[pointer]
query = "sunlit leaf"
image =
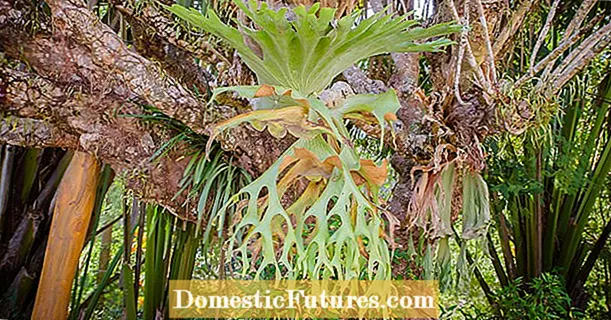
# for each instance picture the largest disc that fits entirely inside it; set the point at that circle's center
(306, 53)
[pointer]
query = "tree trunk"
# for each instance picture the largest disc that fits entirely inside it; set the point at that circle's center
(71, 217)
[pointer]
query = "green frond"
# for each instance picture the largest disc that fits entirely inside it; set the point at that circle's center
(307, 52)
(306, 251)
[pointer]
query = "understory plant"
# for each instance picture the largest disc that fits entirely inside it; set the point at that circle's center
(335, 227)
(548, 185)
(544, 297)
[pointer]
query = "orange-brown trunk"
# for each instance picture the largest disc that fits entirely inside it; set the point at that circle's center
(71, 217)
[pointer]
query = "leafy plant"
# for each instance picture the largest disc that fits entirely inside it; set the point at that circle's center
(306, 52)
(339, 185)
(548, 189)
(544, 297)
(296, 55)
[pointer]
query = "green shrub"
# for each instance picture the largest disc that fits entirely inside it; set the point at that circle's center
(543, 297)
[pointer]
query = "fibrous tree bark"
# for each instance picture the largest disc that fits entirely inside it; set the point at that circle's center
(70, 81)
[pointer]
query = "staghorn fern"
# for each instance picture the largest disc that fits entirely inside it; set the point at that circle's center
(339, 186)
(320, 252)
(300, 57)
(307, 53)
(476, 206)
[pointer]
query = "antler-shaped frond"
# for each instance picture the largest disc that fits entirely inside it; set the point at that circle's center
(307, 52)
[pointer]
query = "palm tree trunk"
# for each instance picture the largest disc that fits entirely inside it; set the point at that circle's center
(71, 216)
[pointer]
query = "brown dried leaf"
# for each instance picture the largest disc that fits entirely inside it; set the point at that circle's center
(265, 90)
(371, 173)
(309, 166)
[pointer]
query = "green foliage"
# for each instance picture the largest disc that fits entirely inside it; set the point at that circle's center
(170, 249)
(542, 298)
(465, 309)
(549, 183)
(300, 53)
(279, 234)
(209, 173)
(599, 289)
(157, 242)
(306, 52)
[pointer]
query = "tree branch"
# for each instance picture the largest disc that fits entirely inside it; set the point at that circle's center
(361, 83)
(34, 133)
(543, 33)
(110, 54)
(571, 29)
(484, 23)
(550, 59)
(580, 57)
(514, 24)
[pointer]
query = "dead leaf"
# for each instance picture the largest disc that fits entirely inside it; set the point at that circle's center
(265, 91)
(371, 173)
(389, 116)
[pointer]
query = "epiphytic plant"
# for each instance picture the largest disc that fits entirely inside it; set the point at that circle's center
(335, 226)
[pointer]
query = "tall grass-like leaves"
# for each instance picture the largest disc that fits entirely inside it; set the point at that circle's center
(306, 53)
(30, 168)
(157, 226)
(185, 250)
(97, 293)
(129, 295)
(561, 180)
(5, 181)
